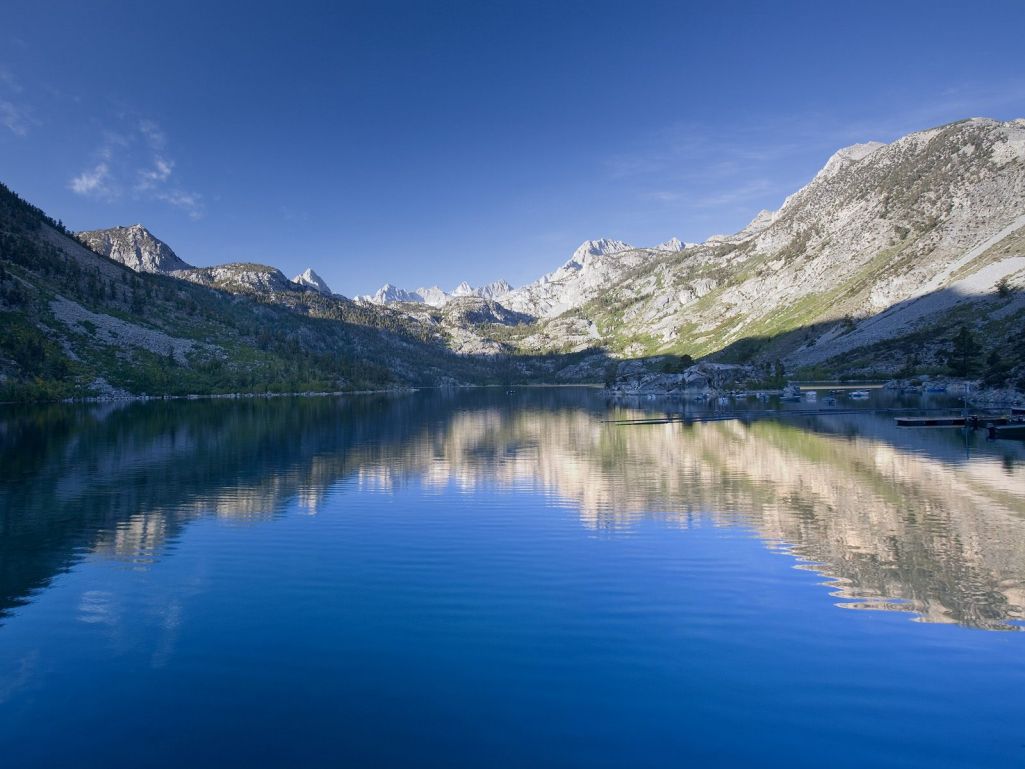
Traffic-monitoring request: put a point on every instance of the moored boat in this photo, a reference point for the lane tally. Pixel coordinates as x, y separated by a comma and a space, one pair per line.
791, 393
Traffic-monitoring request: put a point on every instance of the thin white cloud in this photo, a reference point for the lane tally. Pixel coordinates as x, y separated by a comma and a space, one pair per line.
153, 134
9, 81
133, 160
753, 189
666, 163
92, 181
15, 116
729, 196
157, 174
189, 202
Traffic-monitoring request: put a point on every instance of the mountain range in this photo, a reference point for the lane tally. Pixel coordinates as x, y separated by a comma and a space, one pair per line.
871, 265
435, 296
869, 269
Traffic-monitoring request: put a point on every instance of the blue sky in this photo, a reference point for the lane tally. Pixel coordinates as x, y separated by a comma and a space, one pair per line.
423, 143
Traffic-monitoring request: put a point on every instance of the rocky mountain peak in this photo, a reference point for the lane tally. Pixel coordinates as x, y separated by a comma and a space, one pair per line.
436, 296
135, 247
310, 279
432, 295
848, 155
599, 247
494, 290
671, 246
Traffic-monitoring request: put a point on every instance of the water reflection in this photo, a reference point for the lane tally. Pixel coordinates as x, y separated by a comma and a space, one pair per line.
897, 520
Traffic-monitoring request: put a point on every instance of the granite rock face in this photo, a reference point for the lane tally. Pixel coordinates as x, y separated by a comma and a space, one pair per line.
134, 247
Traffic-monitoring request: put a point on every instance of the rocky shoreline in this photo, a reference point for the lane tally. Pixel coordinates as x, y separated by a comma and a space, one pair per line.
710, 381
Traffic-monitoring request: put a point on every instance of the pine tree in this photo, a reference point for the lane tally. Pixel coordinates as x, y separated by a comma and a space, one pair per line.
964, 352
997, 369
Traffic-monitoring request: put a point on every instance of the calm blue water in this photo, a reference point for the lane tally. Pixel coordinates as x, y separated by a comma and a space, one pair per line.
504, 580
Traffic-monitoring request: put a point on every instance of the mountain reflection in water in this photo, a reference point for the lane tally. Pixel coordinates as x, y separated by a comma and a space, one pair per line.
896, 520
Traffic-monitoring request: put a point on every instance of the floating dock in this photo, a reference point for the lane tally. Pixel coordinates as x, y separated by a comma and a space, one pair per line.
936, 421
1015, 431
951, 421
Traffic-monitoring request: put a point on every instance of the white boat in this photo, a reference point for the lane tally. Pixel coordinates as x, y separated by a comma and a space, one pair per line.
858, 395
791, 393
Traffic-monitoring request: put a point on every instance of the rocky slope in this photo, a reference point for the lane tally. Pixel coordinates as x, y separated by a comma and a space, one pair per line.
306, 294
138, 249
869, 268
886, 251
76, 322
136, 319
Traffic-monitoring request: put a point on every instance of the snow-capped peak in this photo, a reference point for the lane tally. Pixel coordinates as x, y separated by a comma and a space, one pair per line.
435, 296
310, 279
494, 290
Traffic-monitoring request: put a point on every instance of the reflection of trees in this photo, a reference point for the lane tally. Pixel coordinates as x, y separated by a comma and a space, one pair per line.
894, 527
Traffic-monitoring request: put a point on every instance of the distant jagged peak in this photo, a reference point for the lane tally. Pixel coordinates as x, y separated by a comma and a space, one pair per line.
310, 279
674, 245
494, 290
435, 296
390, 293
599, 247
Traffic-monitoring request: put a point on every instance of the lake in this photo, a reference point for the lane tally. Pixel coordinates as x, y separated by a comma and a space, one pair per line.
486, 578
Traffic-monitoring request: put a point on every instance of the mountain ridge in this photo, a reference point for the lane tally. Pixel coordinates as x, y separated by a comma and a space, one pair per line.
869, 268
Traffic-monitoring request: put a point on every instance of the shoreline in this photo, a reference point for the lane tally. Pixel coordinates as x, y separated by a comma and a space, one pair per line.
127, 398
978, 396
208, 396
